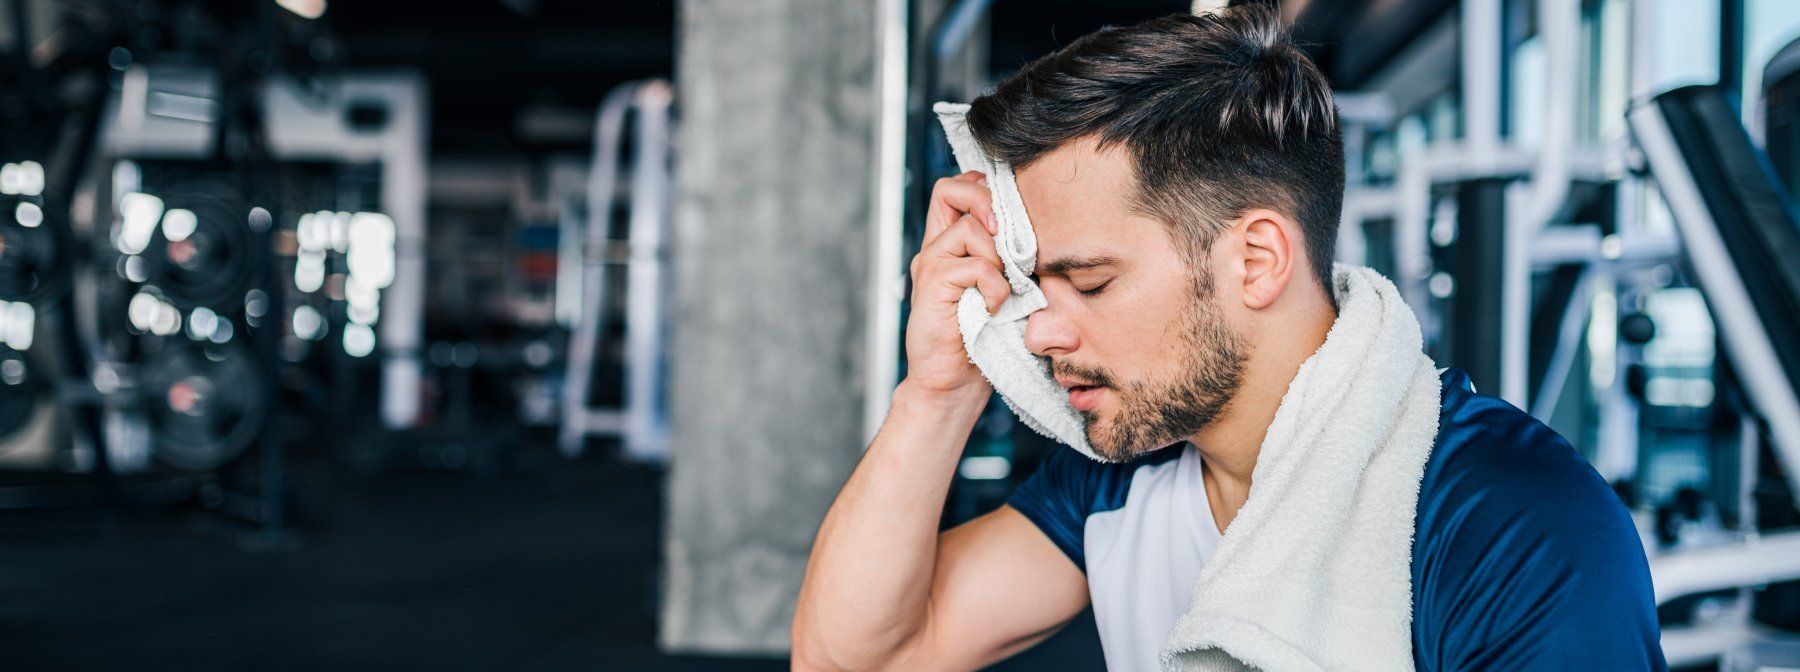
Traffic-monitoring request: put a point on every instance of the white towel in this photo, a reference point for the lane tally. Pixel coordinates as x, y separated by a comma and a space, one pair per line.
1315, 570
996, 343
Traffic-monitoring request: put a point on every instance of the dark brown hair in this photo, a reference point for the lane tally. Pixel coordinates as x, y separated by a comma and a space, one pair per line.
1222, 113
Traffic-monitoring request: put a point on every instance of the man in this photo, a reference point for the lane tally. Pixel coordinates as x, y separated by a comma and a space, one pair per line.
1184, 178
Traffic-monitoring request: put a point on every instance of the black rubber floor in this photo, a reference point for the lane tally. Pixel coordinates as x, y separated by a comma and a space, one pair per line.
548, 566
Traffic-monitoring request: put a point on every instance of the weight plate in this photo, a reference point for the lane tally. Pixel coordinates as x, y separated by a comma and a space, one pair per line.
34, 265
207, 404
203, 251
21, 390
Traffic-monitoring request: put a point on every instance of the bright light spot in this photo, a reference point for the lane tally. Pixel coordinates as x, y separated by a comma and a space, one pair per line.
21, 323
1685, 334
1603, 338
1442, 285
371, 248
138, 213
126, 177
312, 231
1443, 231
984, 468
371, 229
134, 269
1668, 391
308, 324
364, 300
359, 340
256, 303
12, 371
29, 215
340, 231
106, 379
1612, 247
142, 311
260, 219
25, 178
167, 321
309, 271
33, 178
223, 332
178, 224
17, 324
359, 293
538, 354
307, 9
202, 323
364, 313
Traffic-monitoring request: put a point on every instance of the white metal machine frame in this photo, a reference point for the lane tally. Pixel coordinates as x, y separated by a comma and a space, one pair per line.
1532, 206
643, 422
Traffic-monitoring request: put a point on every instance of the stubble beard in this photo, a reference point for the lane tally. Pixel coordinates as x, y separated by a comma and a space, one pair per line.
1153, 414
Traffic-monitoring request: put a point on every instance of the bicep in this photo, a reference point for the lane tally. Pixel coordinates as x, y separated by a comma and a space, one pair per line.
1000, 587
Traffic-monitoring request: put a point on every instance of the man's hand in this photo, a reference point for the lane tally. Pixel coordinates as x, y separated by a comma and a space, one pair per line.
957, 253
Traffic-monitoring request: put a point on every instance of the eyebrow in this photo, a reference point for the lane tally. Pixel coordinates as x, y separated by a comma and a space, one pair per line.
1066, 264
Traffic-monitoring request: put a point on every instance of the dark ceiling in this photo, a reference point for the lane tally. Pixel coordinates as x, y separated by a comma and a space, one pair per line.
489, 59
1349, 39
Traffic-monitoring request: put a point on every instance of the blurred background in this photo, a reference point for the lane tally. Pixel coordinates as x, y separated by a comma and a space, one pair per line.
539, 334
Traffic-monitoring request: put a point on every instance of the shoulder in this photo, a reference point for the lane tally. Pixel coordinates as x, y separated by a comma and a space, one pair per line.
1495, 466
1522, 552
1493, 458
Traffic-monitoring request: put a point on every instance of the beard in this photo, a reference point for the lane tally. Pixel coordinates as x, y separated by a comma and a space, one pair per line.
1155, 413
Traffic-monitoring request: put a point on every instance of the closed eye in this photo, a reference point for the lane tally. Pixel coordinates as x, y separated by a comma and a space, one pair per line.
1095, 290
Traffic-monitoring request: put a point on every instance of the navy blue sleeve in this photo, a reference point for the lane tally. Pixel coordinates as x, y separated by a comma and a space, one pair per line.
1068, 487
1524, 559
1055, 499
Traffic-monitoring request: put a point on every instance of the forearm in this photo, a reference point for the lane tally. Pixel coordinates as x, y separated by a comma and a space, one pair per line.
867, 587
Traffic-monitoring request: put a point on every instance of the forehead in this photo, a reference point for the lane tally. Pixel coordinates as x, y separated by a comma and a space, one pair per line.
1079, 201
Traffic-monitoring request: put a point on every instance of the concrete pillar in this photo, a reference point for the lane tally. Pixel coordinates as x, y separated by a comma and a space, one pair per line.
774, 173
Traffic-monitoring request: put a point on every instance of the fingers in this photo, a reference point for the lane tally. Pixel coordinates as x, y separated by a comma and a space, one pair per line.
963, 256
960, 274
952, 197
958, 249
965, 238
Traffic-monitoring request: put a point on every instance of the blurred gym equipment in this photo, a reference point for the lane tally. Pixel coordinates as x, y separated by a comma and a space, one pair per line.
1740, 231
34, 258
25, 409
336, 118
227, 146
643, 422
205, 403
1585, 274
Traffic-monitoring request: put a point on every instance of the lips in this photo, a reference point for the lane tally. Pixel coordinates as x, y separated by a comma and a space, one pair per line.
1085, 398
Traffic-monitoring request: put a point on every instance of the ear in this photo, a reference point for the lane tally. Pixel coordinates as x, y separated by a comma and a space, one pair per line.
1271, 253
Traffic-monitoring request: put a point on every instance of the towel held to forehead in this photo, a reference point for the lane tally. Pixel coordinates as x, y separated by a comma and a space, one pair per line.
996, 343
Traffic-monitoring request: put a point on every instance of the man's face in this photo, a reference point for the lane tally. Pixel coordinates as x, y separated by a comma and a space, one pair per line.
1138, 337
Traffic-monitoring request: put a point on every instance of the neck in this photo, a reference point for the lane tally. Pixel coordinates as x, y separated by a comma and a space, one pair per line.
1230, 444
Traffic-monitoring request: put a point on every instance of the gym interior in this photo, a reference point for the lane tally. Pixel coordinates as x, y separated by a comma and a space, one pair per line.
540, 334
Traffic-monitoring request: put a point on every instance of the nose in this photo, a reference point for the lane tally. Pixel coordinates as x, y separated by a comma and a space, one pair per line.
1048, 334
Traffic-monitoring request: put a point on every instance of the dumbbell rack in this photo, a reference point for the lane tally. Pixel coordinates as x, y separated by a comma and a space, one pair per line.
91, 387
53, 140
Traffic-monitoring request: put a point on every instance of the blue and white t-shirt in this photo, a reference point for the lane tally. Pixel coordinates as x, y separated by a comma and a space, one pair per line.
1522, 557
